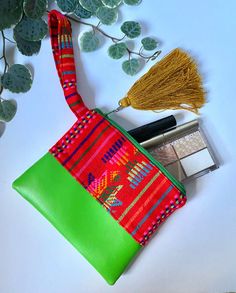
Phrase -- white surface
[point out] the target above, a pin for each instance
(195, 250)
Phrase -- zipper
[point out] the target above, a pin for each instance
(178, 184)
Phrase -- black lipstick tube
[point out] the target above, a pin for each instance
(152, 129)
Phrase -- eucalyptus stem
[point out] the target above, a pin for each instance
(13, 42)
(116, 40)
(6, 65)
(147, 58)
(97, 28)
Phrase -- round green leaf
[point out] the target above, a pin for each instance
(81, 12)
(89, 42)
(35, 8)
(17, 79)
(131, 29)
(111, 3)
(10, 13)
(91, 5)
(107, 15)
(149, 44)
(67, 5)
(31, 29)
(132, 2)
(7, 110)
(131, 66)
(26, 48)
(117, 51)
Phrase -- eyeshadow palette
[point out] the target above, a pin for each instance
(183, 151)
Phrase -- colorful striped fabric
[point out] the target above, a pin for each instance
(100, 157)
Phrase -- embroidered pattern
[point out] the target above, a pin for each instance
(102, 159)
(133, 190)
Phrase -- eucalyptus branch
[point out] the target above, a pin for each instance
(97, 28)
(147, 58)
(13, 42)
(115, 39)
(6, 65)
(32, 28)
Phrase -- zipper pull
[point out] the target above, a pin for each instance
(114, 111)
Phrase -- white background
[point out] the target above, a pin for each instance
(195, 250)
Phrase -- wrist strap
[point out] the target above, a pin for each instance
(62, 47)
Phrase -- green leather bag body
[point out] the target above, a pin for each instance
(79, 218)
(147, 192)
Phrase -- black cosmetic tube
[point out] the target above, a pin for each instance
(152, 129)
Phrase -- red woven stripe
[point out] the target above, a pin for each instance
(108, 179)
(61, 40)
(103, 160)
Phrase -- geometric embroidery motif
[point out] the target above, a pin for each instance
(128, 185)
(104, 161)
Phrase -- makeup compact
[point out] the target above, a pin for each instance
(183, 150)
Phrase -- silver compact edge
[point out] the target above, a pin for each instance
(164, 137)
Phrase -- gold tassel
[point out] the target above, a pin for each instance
(172, 83)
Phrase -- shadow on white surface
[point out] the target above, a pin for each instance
(11, 49)
(222, 157)
(2, 128)
(31, 68)
(133, 262)
(120, 18)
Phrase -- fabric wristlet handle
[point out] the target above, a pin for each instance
(62, 47)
